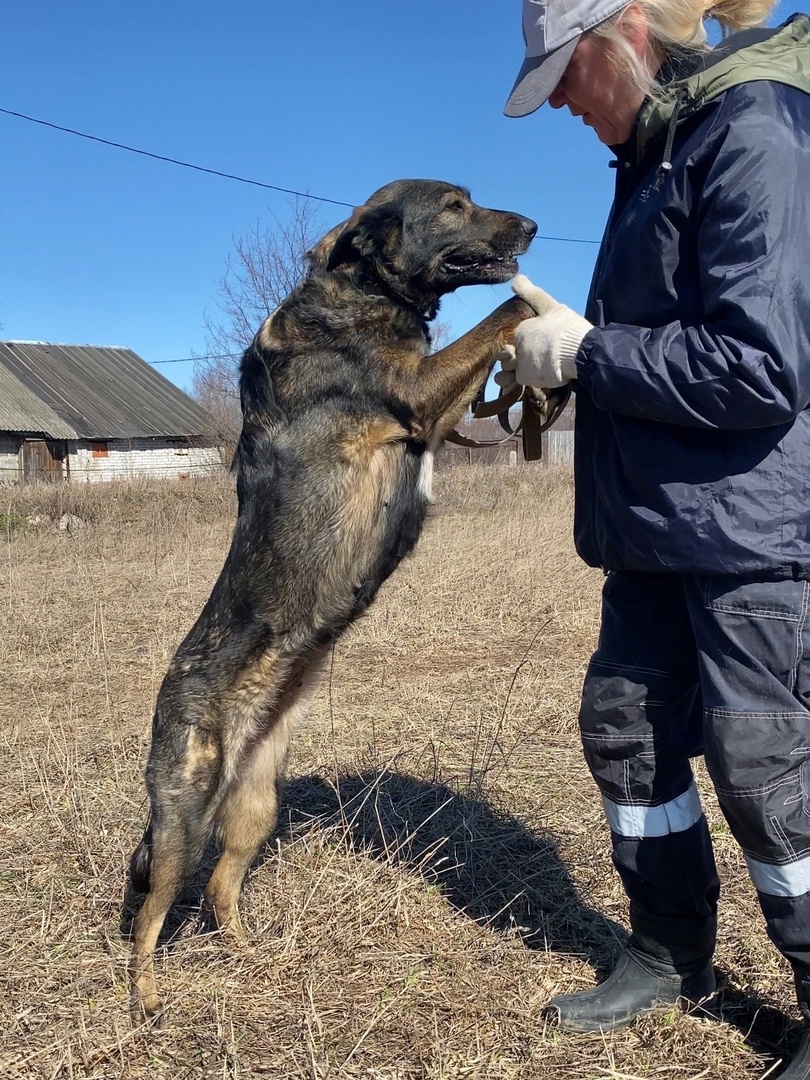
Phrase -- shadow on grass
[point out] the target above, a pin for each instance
(488, 865)
(768, 1030)
(494, 869)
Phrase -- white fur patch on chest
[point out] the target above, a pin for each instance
(426, 475)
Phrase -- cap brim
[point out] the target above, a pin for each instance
(538, 79)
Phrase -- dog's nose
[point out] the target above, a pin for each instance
(528, 226)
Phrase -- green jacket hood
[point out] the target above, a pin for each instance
(779, 55)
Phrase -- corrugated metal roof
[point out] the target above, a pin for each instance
(21, 410)
(95, 391)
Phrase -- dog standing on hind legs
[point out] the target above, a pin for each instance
(343, 408)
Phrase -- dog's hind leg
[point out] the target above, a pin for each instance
(182, 777)
(248, 812)
(141, 861)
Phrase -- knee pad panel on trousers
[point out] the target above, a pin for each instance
(638, 731)
(760, 766)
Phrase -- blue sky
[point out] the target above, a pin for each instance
(335, 99)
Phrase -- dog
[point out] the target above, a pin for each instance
(343, 409)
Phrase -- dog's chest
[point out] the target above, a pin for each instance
(425, 486)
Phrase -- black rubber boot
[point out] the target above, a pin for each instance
(798, 1068)
(799, 1065)
(632, 990)
(665, 962)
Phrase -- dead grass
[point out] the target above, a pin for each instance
(443, 865)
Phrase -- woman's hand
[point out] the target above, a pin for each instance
(545, 348)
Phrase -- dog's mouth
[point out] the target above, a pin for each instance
(489, 267)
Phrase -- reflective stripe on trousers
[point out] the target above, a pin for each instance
(721, 665)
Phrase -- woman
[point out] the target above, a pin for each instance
(692, 466)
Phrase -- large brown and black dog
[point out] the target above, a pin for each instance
(343, 408)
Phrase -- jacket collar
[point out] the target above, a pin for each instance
(778, 55)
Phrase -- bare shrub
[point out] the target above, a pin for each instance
(266, 264)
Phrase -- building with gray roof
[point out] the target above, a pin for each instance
(87, 412)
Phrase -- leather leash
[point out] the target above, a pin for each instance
(538, 414)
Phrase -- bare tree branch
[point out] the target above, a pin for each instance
(265, 265)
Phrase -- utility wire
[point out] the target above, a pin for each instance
(188, 359)
(226, 176)
(173, 161)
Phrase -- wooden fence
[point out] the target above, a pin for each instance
(558, 442)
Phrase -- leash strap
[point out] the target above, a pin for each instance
(538, 415)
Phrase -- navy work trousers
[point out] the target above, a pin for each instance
(689, 664)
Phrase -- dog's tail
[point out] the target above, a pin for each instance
(140, 864)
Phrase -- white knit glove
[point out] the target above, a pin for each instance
(545, 348)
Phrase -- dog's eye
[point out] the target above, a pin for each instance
(456, 206)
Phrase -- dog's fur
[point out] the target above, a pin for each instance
(343, 408)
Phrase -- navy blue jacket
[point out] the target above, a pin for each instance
(692, 422)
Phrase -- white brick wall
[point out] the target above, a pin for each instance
(9, 459)
(127, 459)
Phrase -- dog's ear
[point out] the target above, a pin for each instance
(371, 230)
(378, 232)
(319, 255)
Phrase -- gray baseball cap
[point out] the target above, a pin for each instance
(551, 30)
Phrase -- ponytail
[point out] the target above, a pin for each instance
(677, 28)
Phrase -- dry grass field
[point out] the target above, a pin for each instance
(442, 865)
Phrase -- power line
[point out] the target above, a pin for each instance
(188, 359)
(226, 176)
(174, 161)
(567, 239)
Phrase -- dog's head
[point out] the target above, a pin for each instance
(424, 238)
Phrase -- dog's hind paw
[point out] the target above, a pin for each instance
(146, 1010)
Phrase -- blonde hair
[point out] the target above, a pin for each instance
(677, 30)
